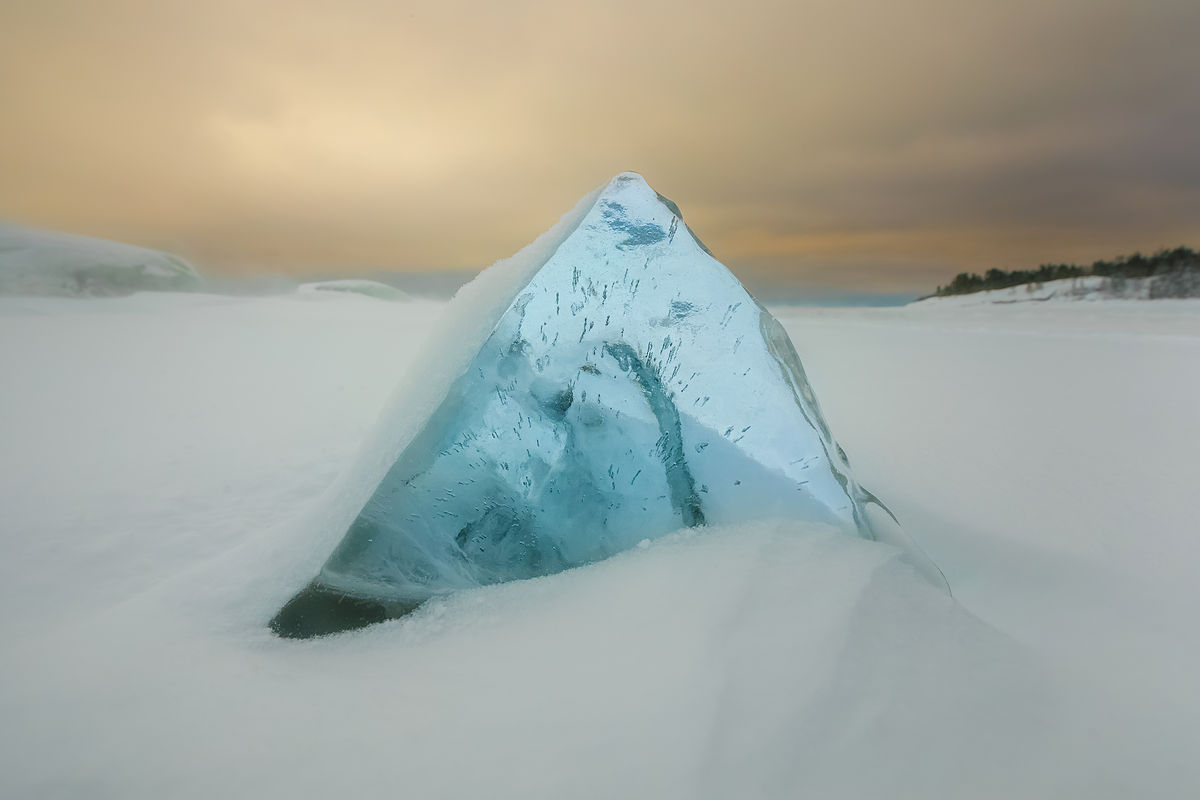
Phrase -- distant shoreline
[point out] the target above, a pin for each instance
(1167, 274)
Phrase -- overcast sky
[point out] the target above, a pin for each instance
(865, 146)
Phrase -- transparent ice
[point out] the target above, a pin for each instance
(632, 387)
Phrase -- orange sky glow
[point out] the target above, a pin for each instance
(866, 146)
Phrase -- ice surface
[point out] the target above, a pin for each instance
(36, 262)
(167, 459)
(631, 387)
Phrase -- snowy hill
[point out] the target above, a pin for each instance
(1087, 288)
(37, 262)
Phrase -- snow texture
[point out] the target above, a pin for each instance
(171, 463)
(632, 387)
(36, 262)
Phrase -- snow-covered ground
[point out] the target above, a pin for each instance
(167, 461)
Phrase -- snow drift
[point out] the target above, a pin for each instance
(37, 262)
(367, 288)
(170, 466)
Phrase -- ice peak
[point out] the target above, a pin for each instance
(628, 177)
(630, 208)
(631, 187)
(627, 188)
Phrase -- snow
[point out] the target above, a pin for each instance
(169, 460)
(375, 289)
(37, 262)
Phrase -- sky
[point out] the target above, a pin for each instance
(831, 147)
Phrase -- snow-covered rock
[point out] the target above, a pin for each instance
(37, 262)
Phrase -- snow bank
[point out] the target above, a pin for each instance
(743, 662)
(35, 262)
(380, 291)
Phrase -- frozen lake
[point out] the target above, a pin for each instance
(167, 460)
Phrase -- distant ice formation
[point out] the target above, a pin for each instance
(380, 291)
(36, 262)
(629, 387)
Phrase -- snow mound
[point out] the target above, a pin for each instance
(380, 291)
(36, 262)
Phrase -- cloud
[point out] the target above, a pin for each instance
(864, 144)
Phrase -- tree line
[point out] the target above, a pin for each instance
(1182, 262)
